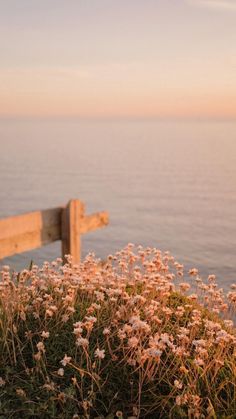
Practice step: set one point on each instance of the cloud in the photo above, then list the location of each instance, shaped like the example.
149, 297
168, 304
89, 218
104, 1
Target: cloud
227, 5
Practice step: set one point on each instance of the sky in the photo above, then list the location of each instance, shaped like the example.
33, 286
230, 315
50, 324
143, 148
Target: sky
118, 58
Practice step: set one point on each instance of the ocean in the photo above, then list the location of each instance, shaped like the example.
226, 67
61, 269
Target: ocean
167, 184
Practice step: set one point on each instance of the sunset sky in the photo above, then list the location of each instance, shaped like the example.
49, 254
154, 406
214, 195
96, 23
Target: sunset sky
118, 58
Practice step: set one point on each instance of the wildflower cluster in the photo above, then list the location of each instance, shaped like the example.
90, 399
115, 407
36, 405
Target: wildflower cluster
125, 337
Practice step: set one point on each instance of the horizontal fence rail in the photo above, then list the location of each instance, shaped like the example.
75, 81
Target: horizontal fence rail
25, 232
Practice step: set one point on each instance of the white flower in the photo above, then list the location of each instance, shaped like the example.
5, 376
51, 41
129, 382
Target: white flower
60, 372
78, 325
132, 342
78, 331
66, 360
40, 347
199, 362
106, 331
178, 384
65, 318
193, 272
45, 334
91, 319
199, 342
100, 353
82, 342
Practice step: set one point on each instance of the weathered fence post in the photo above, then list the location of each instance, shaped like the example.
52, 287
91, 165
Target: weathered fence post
72, 217
25, 232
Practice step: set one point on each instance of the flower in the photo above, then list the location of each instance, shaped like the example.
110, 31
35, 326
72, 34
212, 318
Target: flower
193, 272
37, 356
193, 297
78, 328
199, 362
49, 313
178, 384
20, 392
199, 342
184, 286
91, 319
82, 342
100, 353
132, 342
45, 335
66, 360
127, 311
106, 331
40, 347
60, 372
154, 353
2, 382
49, 386
65, 318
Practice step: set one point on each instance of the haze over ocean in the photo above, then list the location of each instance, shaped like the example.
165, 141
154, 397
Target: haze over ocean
168, 184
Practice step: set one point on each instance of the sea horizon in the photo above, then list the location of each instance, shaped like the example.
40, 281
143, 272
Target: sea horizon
168, 184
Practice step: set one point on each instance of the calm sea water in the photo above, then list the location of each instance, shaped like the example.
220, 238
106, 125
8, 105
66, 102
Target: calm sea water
171, 185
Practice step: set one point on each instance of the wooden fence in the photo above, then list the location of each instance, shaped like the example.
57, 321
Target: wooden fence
35, 229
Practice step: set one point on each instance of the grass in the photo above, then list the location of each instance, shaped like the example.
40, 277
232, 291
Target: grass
123, 339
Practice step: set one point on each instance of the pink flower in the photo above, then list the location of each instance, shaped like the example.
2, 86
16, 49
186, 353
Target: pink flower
40, 347
132, 342
2, 382
44, 334
100, 353
178, 384
82, 342
66, 360
193, 272
60, 372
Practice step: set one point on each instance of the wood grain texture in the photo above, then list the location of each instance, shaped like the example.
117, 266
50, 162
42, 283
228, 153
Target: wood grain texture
35, 229
94, 221
32, 221
29, 231
71, 226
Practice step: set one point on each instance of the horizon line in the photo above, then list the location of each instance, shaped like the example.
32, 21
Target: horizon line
116, 118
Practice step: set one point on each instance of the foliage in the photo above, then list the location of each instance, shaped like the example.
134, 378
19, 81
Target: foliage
122, 338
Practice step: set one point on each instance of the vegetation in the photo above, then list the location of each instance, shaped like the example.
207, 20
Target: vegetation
123, 339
